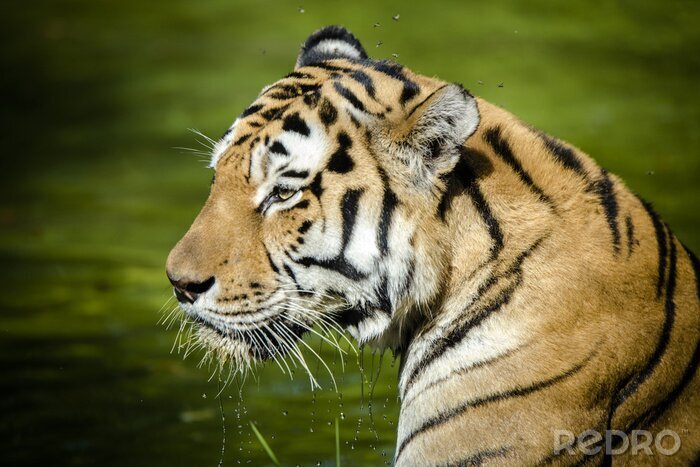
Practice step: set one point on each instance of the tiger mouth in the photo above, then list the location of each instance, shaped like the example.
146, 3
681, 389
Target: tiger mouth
265, 340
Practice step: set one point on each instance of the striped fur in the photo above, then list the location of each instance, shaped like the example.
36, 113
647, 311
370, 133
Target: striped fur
526, 288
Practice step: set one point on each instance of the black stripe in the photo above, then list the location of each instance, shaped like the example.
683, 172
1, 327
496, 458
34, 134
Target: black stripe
464, 178
662, 343
410, 89
316, 186
275, 269
251, 110
298, 75
338, 264
311, 99
480, 457
502, 149
349, 207
564, 155
653, 413
353, 316
274, 113
242, 139
519, 391
301, 205
605, 190
290, 91
295, 174
384, 300
278, 148
365, 80
349, 96
305, 226
289, 272
661, 244
329, 67
327, 113
296, 124
631, 241
389, 202
340, 161
421, 103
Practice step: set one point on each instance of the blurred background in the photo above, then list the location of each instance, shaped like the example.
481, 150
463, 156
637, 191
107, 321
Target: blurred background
98, 95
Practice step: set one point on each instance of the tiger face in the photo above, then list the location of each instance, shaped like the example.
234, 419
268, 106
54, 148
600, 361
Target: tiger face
324, 205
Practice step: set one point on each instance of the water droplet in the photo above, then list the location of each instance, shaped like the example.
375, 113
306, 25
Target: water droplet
204, 396
285, 413
376, 25
480, 82
342, 416
379, 43
311, 429
395, 55
301, 9
500, 85
396, 17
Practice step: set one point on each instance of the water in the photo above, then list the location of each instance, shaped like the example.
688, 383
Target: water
96, 95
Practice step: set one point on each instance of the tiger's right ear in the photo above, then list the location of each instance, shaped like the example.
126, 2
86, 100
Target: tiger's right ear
428, 137
329, 43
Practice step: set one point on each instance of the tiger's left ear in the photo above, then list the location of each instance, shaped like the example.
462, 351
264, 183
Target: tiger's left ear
429, 135
329, 43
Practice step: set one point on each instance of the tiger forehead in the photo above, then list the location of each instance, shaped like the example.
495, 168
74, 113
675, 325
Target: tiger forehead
378, 89
372, 87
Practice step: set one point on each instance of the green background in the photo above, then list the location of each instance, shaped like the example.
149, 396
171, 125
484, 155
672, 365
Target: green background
96, 96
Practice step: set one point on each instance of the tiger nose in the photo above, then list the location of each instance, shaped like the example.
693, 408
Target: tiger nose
187, 291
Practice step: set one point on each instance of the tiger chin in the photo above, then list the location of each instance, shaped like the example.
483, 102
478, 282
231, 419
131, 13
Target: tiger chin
527, 290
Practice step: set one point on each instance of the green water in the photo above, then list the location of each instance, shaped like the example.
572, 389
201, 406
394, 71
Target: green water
97, 94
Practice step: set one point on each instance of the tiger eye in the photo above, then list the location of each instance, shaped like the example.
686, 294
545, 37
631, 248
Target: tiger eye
284, 193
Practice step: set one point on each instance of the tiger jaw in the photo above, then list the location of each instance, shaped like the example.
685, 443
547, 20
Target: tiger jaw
271, 336
272, 331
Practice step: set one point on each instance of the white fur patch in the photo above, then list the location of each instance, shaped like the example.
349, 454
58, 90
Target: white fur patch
336, 47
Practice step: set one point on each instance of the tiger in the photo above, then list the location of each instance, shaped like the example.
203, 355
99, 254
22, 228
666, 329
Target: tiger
526, 289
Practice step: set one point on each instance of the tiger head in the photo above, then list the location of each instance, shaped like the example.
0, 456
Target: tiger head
325, 208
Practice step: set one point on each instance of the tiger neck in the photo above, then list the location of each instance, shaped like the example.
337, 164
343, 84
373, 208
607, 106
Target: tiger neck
495, 223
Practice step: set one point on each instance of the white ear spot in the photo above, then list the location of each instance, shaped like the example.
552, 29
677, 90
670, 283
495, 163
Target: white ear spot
329, 43
338, 48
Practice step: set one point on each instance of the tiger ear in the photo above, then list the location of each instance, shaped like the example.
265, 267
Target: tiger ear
429, 136
329, 43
